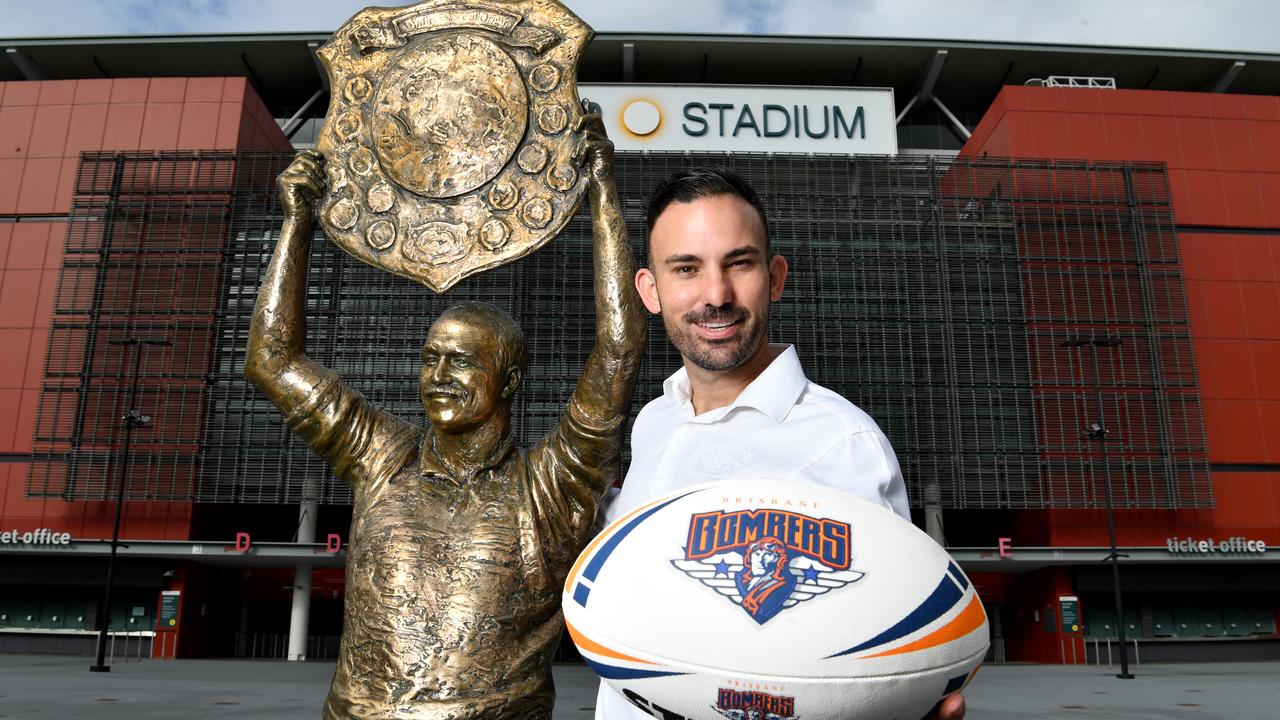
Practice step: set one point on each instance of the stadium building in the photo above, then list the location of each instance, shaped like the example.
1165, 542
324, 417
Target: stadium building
995, 246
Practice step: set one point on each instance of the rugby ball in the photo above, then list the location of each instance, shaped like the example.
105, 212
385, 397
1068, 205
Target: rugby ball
767, 599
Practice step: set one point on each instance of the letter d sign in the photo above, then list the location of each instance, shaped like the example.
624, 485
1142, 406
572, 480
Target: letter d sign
242, 542
333, 543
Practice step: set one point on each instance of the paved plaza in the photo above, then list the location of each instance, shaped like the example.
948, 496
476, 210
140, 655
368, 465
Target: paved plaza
38, 686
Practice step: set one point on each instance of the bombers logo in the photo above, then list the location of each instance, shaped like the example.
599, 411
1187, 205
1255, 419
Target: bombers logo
767, 560
754, 705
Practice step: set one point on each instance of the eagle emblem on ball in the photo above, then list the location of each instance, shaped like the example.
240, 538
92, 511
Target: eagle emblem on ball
449, 140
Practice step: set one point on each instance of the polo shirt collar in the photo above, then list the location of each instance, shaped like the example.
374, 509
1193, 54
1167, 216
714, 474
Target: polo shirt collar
774, 391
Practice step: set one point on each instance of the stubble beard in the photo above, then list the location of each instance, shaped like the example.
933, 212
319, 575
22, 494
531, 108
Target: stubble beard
722, 355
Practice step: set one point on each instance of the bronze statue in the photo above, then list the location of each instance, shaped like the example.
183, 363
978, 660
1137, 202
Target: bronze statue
459, 541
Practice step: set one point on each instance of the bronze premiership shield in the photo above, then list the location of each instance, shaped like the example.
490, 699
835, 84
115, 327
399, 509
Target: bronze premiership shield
449, 139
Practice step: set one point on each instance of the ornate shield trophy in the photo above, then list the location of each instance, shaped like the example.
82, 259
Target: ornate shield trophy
449, 138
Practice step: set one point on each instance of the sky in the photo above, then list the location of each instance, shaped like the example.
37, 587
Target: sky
1228, 25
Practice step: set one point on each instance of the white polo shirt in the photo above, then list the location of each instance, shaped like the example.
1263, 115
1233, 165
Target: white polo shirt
781, 426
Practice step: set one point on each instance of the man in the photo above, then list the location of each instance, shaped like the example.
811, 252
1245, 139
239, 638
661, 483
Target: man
459, 542
738, 404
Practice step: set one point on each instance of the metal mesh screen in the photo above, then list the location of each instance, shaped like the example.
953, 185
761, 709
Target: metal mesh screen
933, 293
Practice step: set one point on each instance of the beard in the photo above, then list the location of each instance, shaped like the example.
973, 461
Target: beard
717, 355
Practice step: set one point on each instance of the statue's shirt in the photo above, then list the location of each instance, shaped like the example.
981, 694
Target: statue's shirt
453, 584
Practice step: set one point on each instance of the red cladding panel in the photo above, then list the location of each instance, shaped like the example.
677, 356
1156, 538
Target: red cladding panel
1088, 135
1269, 188
1224, 306
1231, 367
199, 128
167, 90
21, 442
1050, 136
27, 246
1160, 141
1261, 107
65, 192
1206, 201
1266, 356
1196, 142
10, 407
1244, 199
18, 297
129, 90
40, 187
228, 126
49, 133
1124, 136
13, 357
57, 92
1270, 410
1208, 256
21, 93
10, 183
1234, 143
37, 346
201, 90
124, 127
1242, 424
1190, 104
160, 126
1258, 257
93, 92
88, 122
15, 130
1227, 106
1154, 103
1262, 312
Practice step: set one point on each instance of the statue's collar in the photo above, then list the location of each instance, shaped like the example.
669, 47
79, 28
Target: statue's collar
429, 462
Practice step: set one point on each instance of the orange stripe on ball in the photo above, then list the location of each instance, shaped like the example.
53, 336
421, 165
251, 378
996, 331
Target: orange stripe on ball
969, 619
590, 645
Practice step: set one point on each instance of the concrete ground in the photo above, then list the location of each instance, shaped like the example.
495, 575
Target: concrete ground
62, 687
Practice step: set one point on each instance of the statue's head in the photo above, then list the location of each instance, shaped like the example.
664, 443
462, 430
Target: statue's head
472, 363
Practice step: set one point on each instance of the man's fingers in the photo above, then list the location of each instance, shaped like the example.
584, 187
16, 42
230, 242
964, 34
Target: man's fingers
952, 707
303, 181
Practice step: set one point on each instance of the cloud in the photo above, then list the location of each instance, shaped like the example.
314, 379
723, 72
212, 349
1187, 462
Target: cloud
1233, 25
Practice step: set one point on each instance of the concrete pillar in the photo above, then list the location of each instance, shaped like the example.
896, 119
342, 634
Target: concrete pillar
300, 614
933, 513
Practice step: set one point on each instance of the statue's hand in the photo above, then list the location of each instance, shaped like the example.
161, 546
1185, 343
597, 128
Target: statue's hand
596, 150
301, 184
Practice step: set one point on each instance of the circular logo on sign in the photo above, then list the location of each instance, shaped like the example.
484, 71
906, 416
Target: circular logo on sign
641, 117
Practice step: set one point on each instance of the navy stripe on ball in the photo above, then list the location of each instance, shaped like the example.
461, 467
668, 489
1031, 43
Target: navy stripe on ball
959, 576
613, 672
942, 599
580, 594
597, 562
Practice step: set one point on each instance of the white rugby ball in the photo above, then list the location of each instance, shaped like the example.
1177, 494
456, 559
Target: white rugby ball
766, 599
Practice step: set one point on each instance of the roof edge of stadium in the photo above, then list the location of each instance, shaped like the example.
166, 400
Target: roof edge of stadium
682, 37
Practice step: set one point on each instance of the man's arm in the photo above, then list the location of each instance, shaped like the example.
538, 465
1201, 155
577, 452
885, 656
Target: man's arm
276, 361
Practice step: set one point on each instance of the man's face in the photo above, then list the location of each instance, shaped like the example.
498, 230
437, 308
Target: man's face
462, 382
711, 280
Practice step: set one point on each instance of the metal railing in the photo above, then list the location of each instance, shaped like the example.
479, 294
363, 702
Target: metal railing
275, 646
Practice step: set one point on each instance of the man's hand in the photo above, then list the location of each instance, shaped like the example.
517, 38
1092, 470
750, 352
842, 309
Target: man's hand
950, 707
301, 184
596, 150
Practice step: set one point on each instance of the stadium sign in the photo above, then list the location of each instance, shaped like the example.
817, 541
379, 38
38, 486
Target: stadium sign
702, 118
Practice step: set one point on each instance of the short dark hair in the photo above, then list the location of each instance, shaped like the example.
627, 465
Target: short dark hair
698, 182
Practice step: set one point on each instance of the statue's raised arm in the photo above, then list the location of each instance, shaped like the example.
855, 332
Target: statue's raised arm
276, 360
